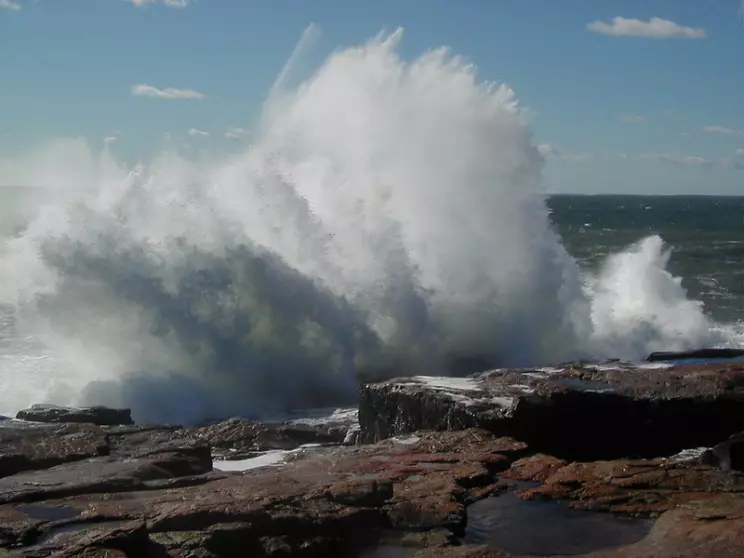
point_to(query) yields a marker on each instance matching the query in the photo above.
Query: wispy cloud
(740, 152)
(723, 131)
(169, 3)
(547, 150)
(195, 132)
(108, 140)
(678, 159)
(10, 5)
(654, 28)
(143, 90)
(235, 133)
(633, 119)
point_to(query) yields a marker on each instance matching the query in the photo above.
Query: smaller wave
(638, 306)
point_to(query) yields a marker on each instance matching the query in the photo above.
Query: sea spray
(388, 220)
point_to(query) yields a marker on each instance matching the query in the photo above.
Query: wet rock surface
(584, 412)
(238, 438)
(138, 491)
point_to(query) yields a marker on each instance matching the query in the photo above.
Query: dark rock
(728, 455)
(91, 415)
(146, 452)
(701, 354)
(575, 412)
(25, 446)
(244, 437)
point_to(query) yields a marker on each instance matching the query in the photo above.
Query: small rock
(101, 416)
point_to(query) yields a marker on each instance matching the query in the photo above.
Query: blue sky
(627, 105)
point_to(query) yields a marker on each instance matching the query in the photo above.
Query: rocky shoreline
(610, 460)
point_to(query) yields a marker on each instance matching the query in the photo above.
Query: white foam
(439, 382)
(268, 459)
(522, 388)
(653, 365)
(687, 455)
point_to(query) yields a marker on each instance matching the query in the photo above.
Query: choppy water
(705, 234)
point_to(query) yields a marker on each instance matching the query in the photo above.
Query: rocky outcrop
(399, 497)
(575, 412)
(102, 416)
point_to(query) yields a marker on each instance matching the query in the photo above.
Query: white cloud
(547, 150)
(723, 130)
(108, 140)
(740, 152)
(143, 90)
(654, 28)
(634, 119)
(169, 3)
(195, 132)
(235, 133)
(678, 159)
(10, 5)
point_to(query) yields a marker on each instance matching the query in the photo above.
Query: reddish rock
(328, 504)
(535, 467)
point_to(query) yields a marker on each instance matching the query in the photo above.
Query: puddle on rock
(524, 527)
(585, 385)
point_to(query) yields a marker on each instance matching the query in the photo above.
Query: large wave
(388, 220)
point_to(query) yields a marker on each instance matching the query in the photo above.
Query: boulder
(574, 412)
(90, 415)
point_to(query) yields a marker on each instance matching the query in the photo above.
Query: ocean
(704, 233)
(363, 234)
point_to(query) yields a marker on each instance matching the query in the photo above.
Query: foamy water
(389, 217)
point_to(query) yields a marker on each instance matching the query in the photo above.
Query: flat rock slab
(327, 504)
(91, 415)
(410, 494)
(26, 445)
(577, 412)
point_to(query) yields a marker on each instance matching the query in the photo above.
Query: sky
(624, 96)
